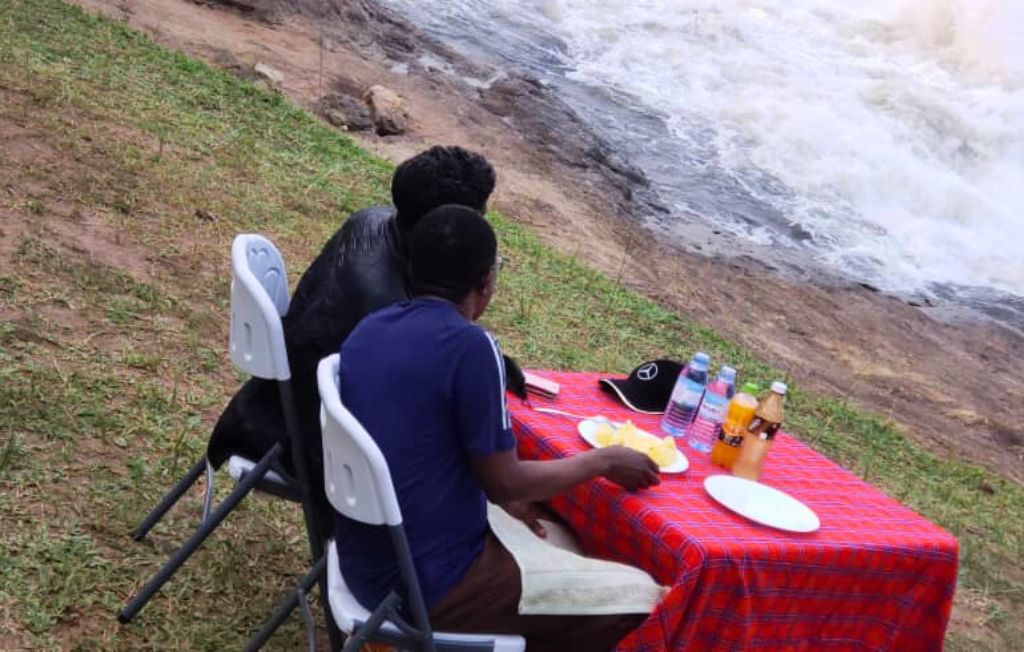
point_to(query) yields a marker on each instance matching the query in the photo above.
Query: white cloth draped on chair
(559, 580)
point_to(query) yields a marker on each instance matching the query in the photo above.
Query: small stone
(205, 215)
(273, 77)
(388, 111)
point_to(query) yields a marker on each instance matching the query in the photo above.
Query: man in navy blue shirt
(428, 384)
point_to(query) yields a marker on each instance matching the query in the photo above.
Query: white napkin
(558, 580)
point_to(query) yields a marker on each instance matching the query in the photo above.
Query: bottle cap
(750, 388)
(702, 357)
(779, 388)
(728, 373)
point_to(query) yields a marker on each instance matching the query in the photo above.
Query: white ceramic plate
(762, 504)
(588, 427)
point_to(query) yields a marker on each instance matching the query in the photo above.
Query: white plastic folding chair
(259, 297)
(270, 272)
(358, 485)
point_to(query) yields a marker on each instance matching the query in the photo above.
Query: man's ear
(487, 285)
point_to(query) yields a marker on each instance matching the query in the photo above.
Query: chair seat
(272, 483)
(348, 613)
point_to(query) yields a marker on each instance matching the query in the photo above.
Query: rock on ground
(388, 111)
(346, 112)
(271, 76)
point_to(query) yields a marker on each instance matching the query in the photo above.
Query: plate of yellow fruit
(600, 433)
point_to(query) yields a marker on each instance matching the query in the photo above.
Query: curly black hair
(452, 250)
(439, 176)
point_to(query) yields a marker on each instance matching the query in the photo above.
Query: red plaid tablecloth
(875, 576)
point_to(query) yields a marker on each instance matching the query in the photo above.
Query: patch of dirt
(969, 620)
(959, 389)
(13, 230)
(45, 178)
(83, 232)
(13, 636)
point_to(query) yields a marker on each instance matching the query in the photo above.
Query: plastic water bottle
(703, 433)
(728, 374)
(686, 396)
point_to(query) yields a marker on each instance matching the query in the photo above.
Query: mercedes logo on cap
(647, 372)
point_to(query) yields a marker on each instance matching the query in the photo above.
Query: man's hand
(528, 513)
(628, 468)
(505, 478)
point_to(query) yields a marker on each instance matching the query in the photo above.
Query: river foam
(885, 139)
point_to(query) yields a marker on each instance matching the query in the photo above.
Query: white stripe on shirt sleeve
(506, 421)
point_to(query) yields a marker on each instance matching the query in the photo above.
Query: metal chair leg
(169, 500)
(208, 494)
(360, 637)
(193, 542)
(285, 607)
(334, 634)
(307, 617)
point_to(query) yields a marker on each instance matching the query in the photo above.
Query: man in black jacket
(362, 268)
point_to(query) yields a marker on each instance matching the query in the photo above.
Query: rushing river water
(882, 138)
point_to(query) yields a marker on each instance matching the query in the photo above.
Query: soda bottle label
(729, 440)
(759, 425)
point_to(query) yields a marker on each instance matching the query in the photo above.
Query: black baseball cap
(648, 387)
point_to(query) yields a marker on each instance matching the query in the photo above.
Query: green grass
(112, 367)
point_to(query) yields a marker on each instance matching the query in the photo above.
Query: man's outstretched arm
(504, 477)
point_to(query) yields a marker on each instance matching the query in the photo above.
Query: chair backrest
(259, 297)
(356, 475)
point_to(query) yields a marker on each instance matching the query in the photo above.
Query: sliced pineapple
(663, 453)
(604, 434)
(634, 438)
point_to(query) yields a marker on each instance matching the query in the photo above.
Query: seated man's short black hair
(452, 250)
(439, 176)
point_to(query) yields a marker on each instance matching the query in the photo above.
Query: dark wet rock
(505, 96)
(616, 163)
(550, 124)
(1006, 436)
(261, 10)
(244, 6)
(345, 111)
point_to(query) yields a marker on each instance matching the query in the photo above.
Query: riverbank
(953, 381)
(127, 170)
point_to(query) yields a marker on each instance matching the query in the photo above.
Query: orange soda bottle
(760, 433)
(738, 416)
